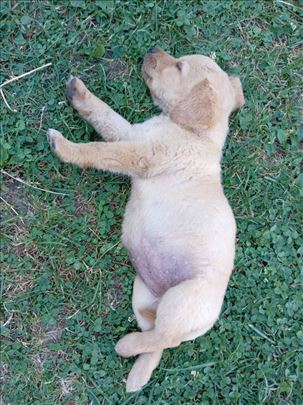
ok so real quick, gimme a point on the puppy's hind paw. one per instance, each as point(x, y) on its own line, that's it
point(142, 370)
point(134, 384)
point(126, 347)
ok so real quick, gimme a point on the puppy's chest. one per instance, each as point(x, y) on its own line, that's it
point(159, 266)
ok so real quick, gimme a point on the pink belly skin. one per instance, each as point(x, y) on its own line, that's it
point(159, 267)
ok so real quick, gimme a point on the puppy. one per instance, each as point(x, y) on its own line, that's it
point(178, 228)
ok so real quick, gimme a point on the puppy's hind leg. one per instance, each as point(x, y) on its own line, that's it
point(185, 311)
point(142, 370)
point(144, 305)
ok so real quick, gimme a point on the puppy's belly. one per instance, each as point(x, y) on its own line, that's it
point(160, 267)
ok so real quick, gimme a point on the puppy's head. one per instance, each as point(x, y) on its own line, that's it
point(193, 90)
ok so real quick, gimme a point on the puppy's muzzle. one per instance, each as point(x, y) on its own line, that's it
point(153, 50)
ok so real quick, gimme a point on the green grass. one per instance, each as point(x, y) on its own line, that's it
point(66, 279)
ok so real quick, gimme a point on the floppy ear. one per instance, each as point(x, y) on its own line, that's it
point(198, 109)
point(239, 96)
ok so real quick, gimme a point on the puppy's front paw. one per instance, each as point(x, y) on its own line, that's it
point(59, 144)
point(53, 137)
point(76, 90)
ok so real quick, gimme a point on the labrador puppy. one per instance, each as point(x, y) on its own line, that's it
point(178, 228)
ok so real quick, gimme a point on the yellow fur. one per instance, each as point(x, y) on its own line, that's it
point(174, 162)
point(149, 314)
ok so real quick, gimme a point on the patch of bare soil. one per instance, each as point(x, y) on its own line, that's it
point(114, 68)
point(83, 206)
point(15, 197)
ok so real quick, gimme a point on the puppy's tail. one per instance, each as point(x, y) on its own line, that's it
point(148, 313)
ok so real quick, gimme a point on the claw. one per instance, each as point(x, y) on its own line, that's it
point(71, 91)
point(71, 87)
point(50, 139)
point(71, 77)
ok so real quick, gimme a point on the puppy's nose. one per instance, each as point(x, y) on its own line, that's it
point(153, 50)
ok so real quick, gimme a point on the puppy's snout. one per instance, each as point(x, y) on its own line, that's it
point(150, 61)
point(153, 50)
point(155, 61)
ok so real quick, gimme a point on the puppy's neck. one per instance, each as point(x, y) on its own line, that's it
point(216, 133)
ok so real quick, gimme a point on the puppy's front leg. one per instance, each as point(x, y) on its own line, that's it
point(106, 121)
point(120, 157)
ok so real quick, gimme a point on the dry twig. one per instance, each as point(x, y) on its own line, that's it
point(13, 79)
point(30, 185)
point(12, 208)
point(41, 117)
